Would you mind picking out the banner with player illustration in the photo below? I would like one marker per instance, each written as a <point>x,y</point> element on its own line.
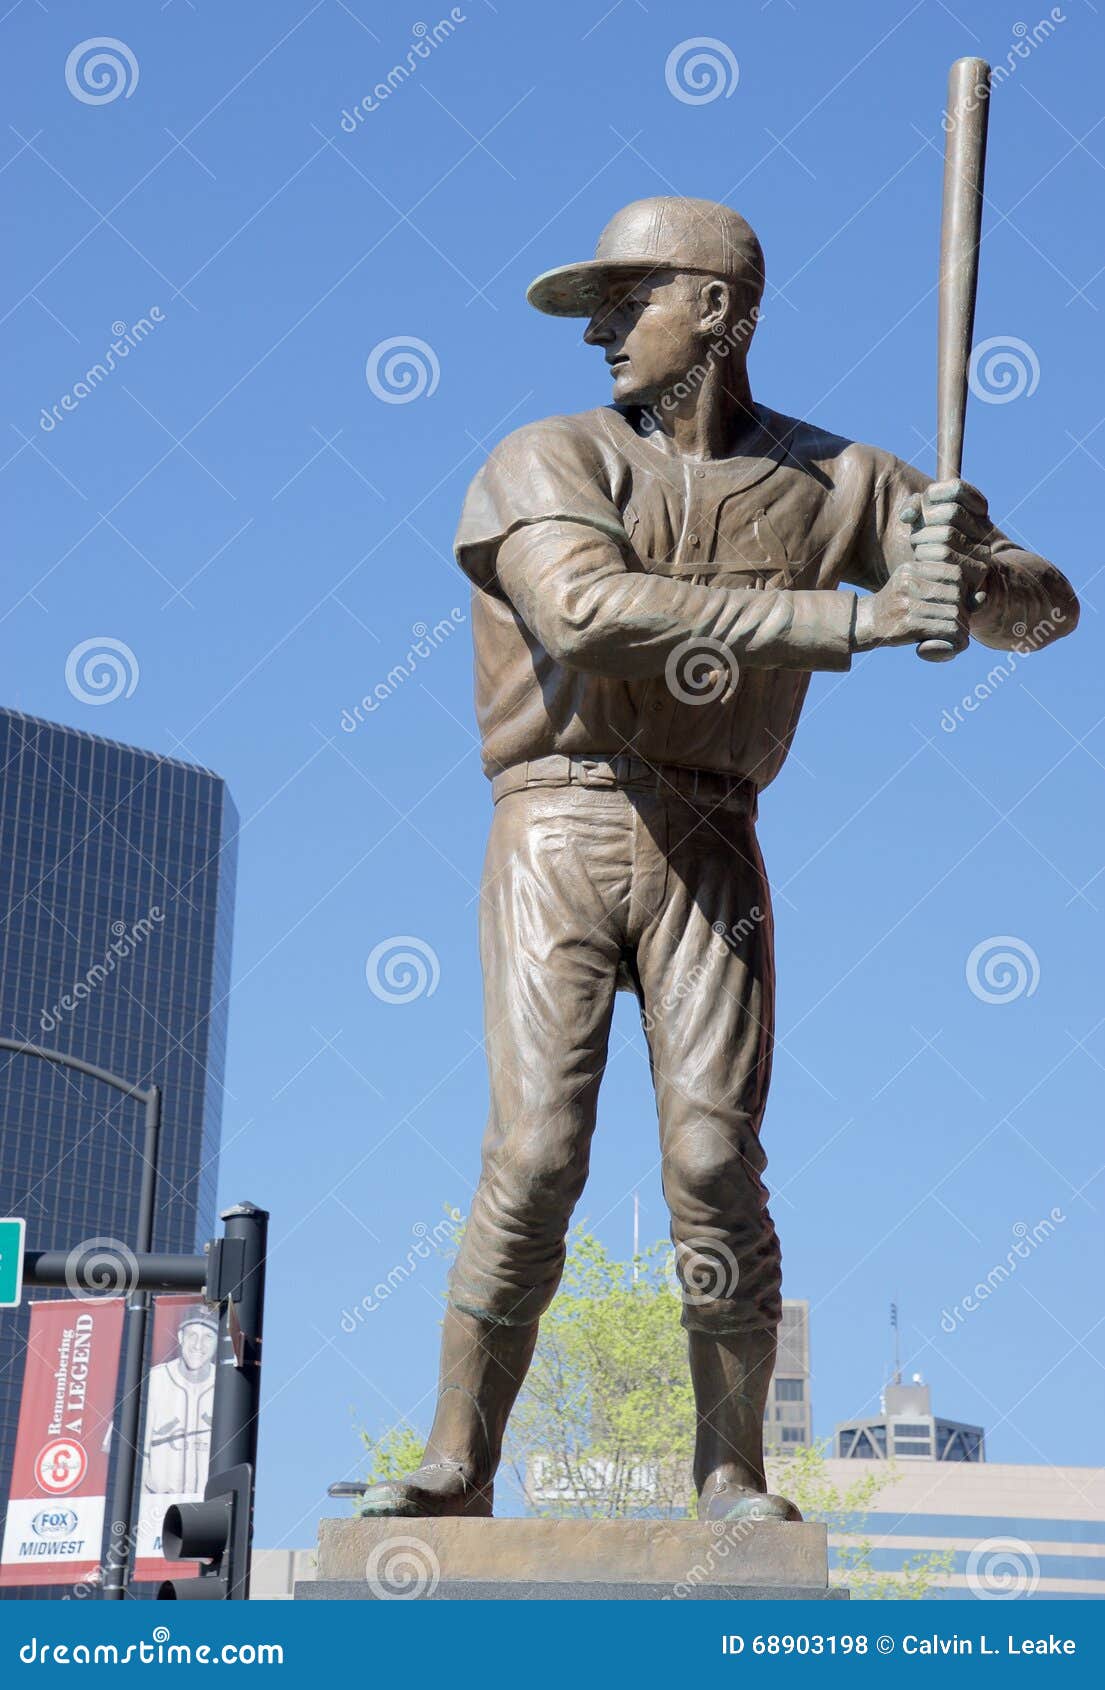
<point>176,1442</point>
<point>53,1529</point>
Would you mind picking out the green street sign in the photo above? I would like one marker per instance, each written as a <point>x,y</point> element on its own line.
<point>12,1234</point>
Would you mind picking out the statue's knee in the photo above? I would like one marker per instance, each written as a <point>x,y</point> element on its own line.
<point>703,1169</point>
<point>538,1181</point>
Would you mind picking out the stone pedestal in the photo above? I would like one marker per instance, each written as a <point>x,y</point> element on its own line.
<point>588,1560</point>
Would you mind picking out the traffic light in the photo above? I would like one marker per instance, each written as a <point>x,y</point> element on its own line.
<point>219,1530</point>
<point>215,1531</point>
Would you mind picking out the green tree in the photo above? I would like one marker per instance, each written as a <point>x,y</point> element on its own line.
<point>393,1453</point>
<point>803,1475</point>
<point>605,1424</point>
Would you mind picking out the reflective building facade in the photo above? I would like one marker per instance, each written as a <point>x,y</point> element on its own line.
<point>116,900</point>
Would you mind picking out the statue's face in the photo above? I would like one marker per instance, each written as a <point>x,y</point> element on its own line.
<point>652,331</point>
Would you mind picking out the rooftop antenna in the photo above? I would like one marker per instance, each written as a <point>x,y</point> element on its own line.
<point>897,1344</point>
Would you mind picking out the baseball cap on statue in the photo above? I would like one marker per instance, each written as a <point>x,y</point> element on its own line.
<point>655,234</point>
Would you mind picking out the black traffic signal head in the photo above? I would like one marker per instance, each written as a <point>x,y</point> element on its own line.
<point>215,1531</point>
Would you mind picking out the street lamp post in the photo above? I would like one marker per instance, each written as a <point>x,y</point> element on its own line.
<point>116,1560</point>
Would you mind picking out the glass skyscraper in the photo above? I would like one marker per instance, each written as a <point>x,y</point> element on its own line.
<point>116,902</point>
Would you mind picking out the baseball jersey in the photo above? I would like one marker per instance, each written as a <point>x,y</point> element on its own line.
<point>601,559</point>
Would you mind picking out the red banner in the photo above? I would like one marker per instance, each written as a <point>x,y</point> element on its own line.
<point>53,1530</point>
<point>176,1443</point>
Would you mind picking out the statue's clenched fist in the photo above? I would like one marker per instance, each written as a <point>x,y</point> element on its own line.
<point>932,596</point>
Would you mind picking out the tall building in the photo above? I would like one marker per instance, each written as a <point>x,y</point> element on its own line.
<point>907,1430</point>
<point>788,1416</point>
<point>116,900</point>
<point>977,1528</point>
<point>1006,1531</point>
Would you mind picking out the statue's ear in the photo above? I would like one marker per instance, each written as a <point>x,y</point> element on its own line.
<point>715,299</point>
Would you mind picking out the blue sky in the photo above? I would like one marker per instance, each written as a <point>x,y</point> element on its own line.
<point>237,506</point>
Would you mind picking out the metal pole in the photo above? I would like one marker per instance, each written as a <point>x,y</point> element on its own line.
<point>241,1314</point>
<point>234,1412</point>
<point>119,1537</point>
<point>19,1047</point>
<point>53,1271</point>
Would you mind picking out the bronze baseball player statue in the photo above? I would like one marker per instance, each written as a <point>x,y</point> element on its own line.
<point>654,583</point>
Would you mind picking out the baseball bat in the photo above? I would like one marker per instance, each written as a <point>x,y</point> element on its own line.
<point>960,229</point>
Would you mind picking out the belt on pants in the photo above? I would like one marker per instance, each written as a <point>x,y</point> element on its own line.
<point>706,786</point>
